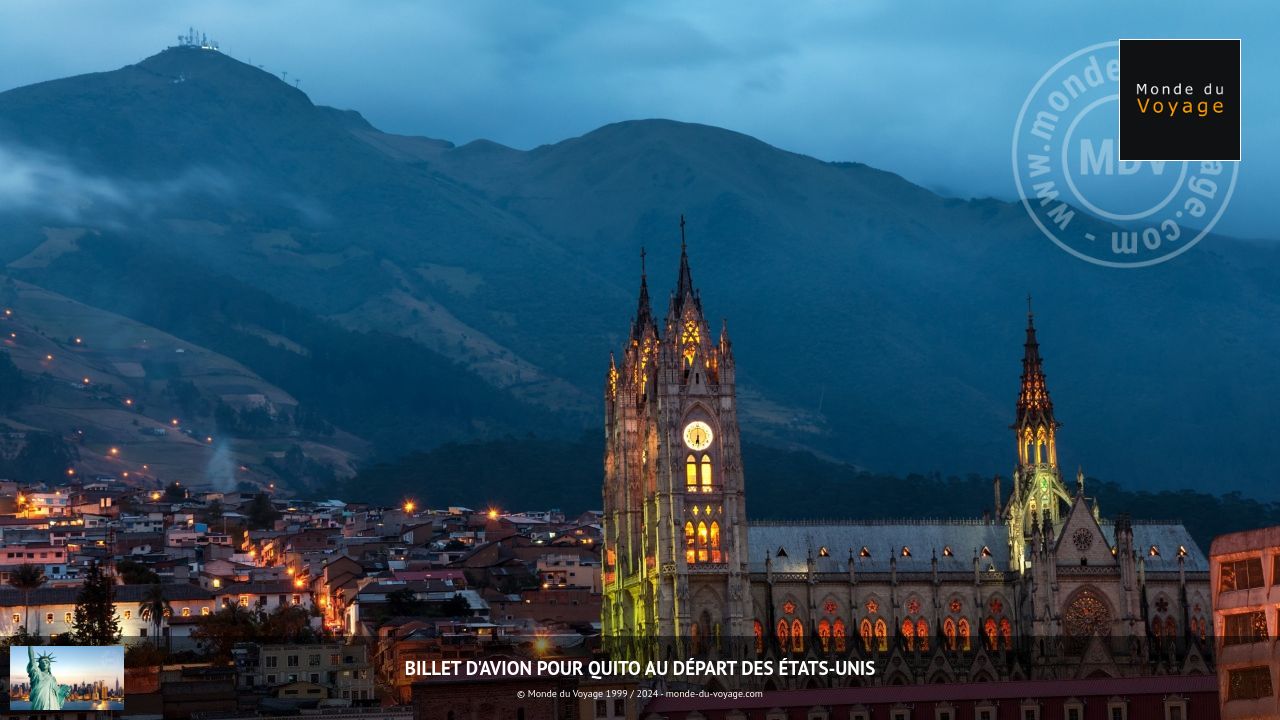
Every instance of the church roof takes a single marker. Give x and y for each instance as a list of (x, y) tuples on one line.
[(882, 540), (798, 540), (1166, 538)]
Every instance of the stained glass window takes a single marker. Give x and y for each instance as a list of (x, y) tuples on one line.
[(830, 607), (991, 633), (1087, 615), (706, 473), (864, 631), (824, 635), (689, 538), (1006, 632), (837, 630), (965, 642), (797, 636), (909, 635), (882, 635), (949, 631), (784, 633), (691, 473), (702, 542), (715, 542), (759, 632), (922, 635)]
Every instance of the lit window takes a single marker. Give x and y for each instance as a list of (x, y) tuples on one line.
[(48, 618), (204, 611), (946, 551), (128, 614), (17, 618), (949, 630), (882, 635), (759, 632), (922, 635), (715, 542), (689, 537), (66, 617), (909, 634), (691, 473), (906, 551), (837, 631), (824, 635), (702, 542), (797, 636), (706, 473), (824, 552), (864, 552), (964, 635), (186, 612)]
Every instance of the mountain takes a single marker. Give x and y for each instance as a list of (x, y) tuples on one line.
[(875, 322)]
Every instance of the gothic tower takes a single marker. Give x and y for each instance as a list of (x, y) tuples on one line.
[(1039, 497), (675, 576)]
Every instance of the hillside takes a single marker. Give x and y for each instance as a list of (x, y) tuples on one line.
[(142, 405), (874, 322)]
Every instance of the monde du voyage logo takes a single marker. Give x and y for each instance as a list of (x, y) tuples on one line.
[(1125, 154)]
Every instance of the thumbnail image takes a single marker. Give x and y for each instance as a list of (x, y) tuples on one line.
[(66, 678)]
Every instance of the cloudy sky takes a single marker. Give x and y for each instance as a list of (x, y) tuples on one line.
[(926, 89)]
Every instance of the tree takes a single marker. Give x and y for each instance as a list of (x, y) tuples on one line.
[(155, 609), (262, 514), (173, 493), (219, 632), (135, 573), (27, 577), (94, 621)]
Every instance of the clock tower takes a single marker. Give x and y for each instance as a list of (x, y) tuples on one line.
[(675, 564)]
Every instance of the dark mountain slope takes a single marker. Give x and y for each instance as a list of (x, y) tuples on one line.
[(874, 321)]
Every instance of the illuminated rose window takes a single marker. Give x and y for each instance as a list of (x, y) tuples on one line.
[(1087, 615)]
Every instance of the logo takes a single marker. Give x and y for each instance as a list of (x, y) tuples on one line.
[(1082, 196)]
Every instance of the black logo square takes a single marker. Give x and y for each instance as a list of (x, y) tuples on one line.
[(1179, 99)]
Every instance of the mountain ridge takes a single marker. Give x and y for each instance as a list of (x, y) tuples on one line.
[(875, 321)]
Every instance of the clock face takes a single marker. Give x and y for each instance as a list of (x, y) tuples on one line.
[(697, 435)]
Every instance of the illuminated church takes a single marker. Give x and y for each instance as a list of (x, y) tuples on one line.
[(1048, 587)]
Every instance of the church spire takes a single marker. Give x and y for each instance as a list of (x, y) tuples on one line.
[(684, 292), (1034, 404), (644, 311)]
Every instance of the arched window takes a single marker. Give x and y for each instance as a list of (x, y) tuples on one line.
[(882, 635), (909, 634), (706, 473), (715, 542), (991, 633), (1157, 628), (1170, 628), (695, 642), (965, 643), (837, 630), (797, 636), (949, 631), (1006, 632), (759, 631), (864, 631), (702, 542), (784, 633), (824, 635), (691, 473), (689, 537), (922, 635)]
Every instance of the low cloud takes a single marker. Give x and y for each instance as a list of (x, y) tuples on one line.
[(35, 182)]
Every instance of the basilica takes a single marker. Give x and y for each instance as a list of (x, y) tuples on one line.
[(1048, 587)]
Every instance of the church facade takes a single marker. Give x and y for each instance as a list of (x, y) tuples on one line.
[(1047, 587)]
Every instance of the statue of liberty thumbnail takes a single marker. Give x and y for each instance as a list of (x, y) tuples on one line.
[(46, 693)]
